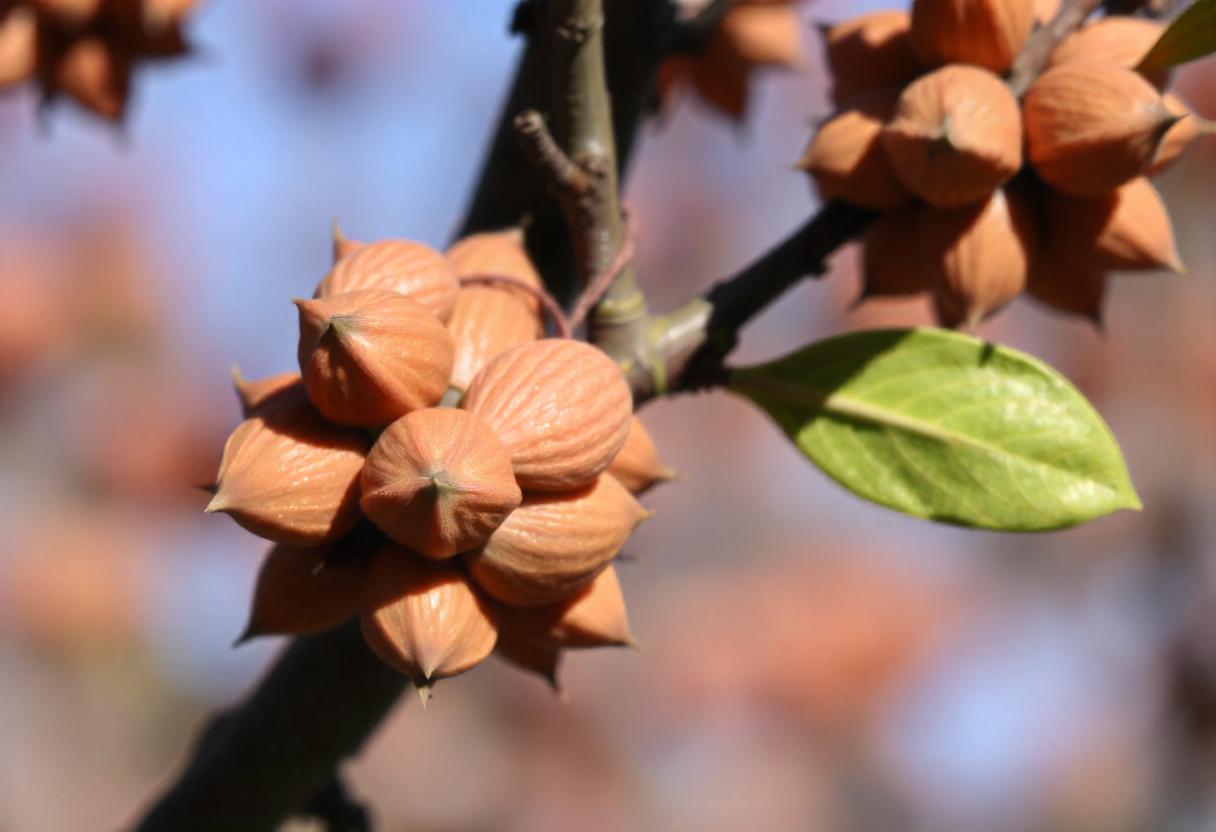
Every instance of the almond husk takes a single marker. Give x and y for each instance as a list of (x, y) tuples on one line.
[(439, 482), (297, 593), (341, 245), (1067, 287), (1045, 11), (404, 266), (1118, 40), (423, 617), (890, 262), (369, 357), (1092, 127), (1128, 229), (596, 617), (977, 257), (289, 476), (637, 465), (561, 407), (18, 45), (554, 545), (869, 52), (69, 14), (956, 135), (1179, 138), (749, 36), (986, 33), (530, 657), (96, 75), (846, 157), (253, 393), (490, 319)]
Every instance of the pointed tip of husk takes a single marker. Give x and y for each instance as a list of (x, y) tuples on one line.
[(218, 503), (247, 635), (335, 231), (425, 691), (633, 644), (238, 378)]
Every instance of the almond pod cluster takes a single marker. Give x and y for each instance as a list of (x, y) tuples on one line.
[(751, 35), (437, 467), (87, 50), (981, 196)]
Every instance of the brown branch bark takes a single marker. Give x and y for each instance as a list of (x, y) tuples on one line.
[(265, 759), (1034, 56)]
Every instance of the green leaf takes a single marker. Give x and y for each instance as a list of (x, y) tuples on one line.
[(943, 426), (1192, 35)]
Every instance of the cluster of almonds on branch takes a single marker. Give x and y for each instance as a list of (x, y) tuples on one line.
[(982, 196), (751, 35), (450, 531), (87, 49)]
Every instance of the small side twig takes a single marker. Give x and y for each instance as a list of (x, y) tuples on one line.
[(561, 324), (567, 179), (599, 284), (1034, 55)]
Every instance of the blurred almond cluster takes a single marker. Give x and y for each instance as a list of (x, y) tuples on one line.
[(88, 49), (983, 196), (751, 35), (450, 531)]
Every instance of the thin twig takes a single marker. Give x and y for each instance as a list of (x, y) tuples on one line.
[(561, 324), (595, 290), (582, 122), (1034, 55), (568, 180)]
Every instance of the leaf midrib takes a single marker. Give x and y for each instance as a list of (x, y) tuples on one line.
[(843, 404)]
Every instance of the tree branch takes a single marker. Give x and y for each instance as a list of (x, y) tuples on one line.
[(687, 347), (267, 758), (1034, 56), (694, 340), (582, 120)]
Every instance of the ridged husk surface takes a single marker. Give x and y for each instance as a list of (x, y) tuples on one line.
[(253, 393), (956, 135), (290, 476), (596, 617), (297, 593), (1127, 229), (371, 356), (1116, 39), (977, 258), (869, 52), (423, 617), (561, 407), (554, 545), (847, 159), (403, 266), (987, 33), (1092, 127), (439, 482), (637, 465), (490, 319)]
